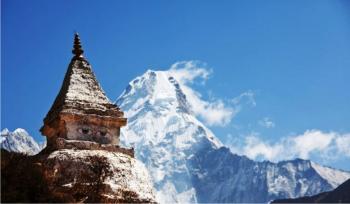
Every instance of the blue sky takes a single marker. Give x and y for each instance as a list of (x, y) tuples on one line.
[(291, 57)]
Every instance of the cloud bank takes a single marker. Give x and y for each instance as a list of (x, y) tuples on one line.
[(312, 143), (214, 112), (324, 145)]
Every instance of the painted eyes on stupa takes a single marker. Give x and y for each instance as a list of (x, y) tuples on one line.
[(88, 131), (102, 132), (85, 131)]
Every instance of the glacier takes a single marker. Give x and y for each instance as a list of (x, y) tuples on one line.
[(189, 164)]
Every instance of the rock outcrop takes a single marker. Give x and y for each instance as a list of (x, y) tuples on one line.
[(69, 175)]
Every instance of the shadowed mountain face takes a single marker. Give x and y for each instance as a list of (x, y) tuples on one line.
[(339, 195), (189, 164), (233, 178)]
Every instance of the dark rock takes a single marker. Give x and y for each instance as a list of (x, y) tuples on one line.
[(96, 176)]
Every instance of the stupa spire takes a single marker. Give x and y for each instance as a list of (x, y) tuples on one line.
[(77, 48)]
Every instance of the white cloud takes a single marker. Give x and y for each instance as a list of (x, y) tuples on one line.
[(311, 141), (343, 144), (267, 123), (214, 111), (324, 145), (248, 97), (187, 71), (256, 148)]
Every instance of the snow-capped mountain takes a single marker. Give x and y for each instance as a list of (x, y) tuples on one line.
[(164, 133), (233, 178), (189, 164), (19, 141), (186, 161)]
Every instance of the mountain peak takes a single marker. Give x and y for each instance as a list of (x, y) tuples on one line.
[(164, 131), (155, 88), (21, 132), (19, 141), (5, 132), (184, 157)]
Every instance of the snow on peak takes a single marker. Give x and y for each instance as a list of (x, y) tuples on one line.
[(19, 141), (22, 132), (152, 88), (4, 132), (333, 176), (186, 161), (159, 93), (164, 132)]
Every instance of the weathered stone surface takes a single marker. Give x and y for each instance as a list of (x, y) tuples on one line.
[(82, 94), (81, 110), (87, 145), (67, 175), (84, 175)]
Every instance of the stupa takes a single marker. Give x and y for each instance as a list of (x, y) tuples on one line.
[(82, 116)]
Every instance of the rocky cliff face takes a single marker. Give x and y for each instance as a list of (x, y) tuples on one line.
[(74, 176)]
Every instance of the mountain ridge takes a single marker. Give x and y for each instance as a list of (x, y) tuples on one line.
[(177, 149), (19, 141), (186, 160), (338, 195)]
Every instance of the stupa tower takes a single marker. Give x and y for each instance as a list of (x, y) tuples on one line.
[(81, 110)]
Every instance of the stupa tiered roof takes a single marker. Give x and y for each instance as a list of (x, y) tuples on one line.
[(81, 94)]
